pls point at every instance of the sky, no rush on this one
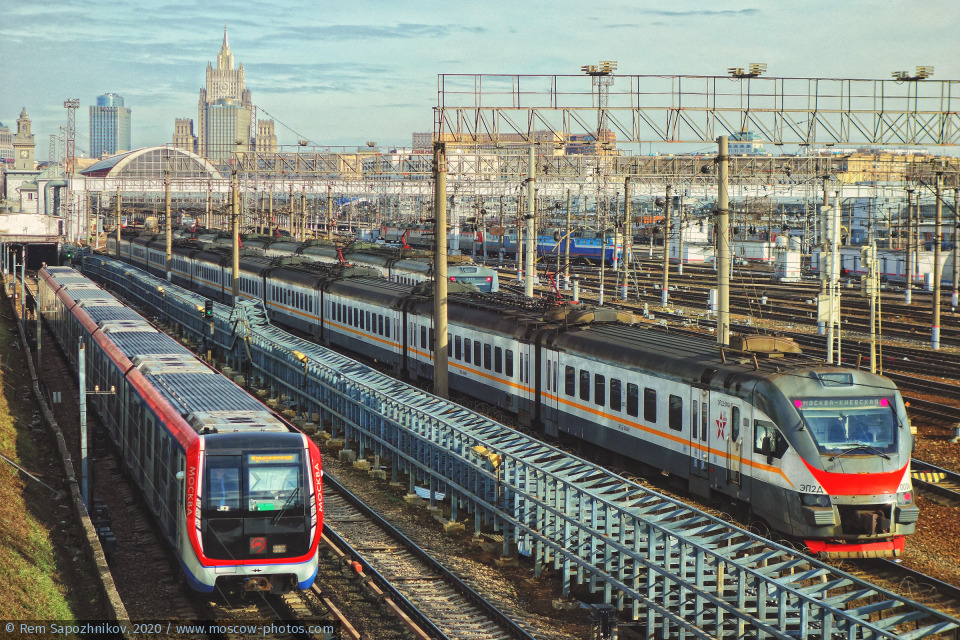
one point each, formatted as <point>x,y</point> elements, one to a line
<point>365,70</point>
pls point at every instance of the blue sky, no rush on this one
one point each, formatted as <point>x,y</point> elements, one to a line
<point>344,73</point>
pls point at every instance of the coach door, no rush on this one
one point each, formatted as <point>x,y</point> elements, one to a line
<point>734,444</point>
<point>699,449</point>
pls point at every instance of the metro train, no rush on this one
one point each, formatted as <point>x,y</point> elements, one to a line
<point>236,491</point>
<point>413,267</point>
<point>818,452</point>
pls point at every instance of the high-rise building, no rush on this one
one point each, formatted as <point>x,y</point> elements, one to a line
<point>109,126</point>
<point>183,137</point>
<point>6,143</point>
<point>225,114</point>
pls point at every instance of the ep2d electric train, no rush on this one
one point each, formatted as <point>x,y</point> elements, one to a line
<point>235,490</point>
<point>818,452</point>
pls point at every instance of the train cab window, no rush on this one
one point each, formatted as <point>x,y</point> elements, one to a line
<point>570,381</point>
<point>273,482</point>
<point>615,397</point>
<point>649,404</point>
<point>633,400</point>
<point>223,485</point>
<point>599,390</point>
<point>775,445</point>
<point>476,353</point>
<point>509,363</point>
<point>584,384</point>
<point>498,359</point>
<point>487,357</point>
<point>675,413</point>
<point>457,348</point>
<point>467,351</point>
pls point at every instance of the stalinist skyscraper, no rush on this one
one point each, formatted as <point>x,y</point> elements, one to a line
<point>225,114</point>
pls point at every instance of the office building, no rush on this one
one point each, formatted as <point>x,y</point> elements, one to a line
<point>109,126</point>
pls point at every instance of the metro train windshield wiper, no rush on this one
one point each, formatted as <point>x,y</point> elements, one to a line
<point>859,447</point>
<point>293,494</point>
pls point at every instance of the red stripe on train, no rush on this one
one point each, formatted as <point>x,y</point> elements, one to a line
<point>858,484</point>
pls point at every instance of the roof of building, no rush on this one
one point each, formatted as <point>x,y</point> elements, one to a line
<point>153,162</point>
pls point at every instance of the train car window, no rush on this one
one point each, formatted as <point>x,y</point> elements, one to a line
<point>633,400</point>
<point>522,360</point>
<point>467,351</point>
<point>735,423</point>
<point>477,345</point>
<point>556,375</point>
<point>599,390</point>
<point>386,326</point>
<point>487,357</point>
<point>369,326</point>
<point>509,363</point>
<point>649,404</point>
<point>548,375</point>
<point>615,397</point>
<point>584,384</point>
<point>449,346</point>
<point>694,419</point>
<point>703,421</point>
<point>433,339</point>
<point>498,359</point>
<point>675,413</point>
<point>423,337</point>
<point>458,348</point>
<point>380,323</point>
<point>570,381</point>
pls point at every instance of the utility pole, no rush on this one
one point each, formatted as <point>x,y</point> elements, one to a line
<point>329,212</point>
<point>530,256</point>
<point>680,213</point>
<point>235,220</point>
<point>566,248</point>
<point>937,271</point>
<point>833,287</point>
<point>440,372</point>
<point>117,217</point>
<point>723,244</point>
<point>167,226</point>
<point>908,267</point>
<point>821,323</point>
<point>627,236</point>
<point>665,286</point>
<point>956,248</point>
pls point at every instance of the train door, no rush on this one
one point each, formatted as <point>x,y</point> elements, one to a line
<point>735,445</point>
<point>699,449</point>
<point>527,378</point>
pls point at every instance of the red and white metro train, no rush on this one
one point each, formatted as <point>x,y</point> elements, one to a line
<point>818,452</point>
<point>236,491</point>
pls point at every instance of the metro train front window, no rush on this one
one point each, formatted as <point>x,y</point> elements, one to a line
<point>273,481</point>
<point>857,425</point>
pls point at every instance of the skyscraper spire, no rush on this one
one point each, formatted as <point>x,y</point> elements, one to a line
<point>225,57</point>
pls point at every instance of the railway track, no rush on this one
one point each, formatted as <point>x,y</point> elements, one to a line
<point>928,591</point>
<point>941,484</point>
<point>431,594</point>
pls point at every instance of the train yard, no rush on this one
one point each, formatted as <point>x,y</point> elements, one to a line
<point>854,589</point>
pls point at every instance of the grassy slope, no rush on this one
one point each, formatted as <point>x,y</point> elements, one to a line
<point>30,580</point>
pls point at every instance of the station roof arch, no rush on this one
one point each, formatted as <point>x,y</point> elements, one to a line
<point>154,162</point>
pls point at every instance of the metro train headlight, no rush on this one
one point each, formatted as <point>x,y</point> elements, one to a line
<point>814,500</point>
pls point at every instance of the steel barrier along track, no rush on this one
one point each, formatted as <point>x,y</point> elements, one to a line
<point>678,571</point>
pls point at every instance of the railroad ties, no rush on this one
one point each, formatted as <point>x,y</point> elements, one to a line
<point>669,568</point>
